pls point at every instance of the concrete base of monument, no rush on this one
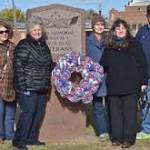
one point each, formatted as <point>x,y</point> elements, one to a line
<point>63,119</point>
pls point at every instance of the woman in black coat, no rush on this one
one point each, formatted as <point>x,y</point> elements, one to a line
<point>124,61</point>
<point>32,68</point>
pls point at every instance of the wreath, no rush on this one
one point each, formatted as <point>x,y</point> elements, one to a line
<point>91,74</point>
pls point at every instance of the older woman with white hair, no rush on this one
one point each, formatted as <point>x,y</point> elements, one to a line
<point>32,68</point>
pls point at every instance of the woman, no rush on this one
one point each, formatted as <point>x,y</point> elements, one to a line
<point>32,68</point>
<point>7,94</point>
<point>95,46</point>
<point>126,68</point>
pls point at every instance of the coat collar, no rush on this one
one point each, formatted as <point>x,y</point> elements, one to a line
<point>93,39</point>
<point>41,41</point>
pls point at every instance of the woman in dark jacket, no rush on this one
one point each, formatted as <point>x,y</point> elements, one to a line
<point>126,68</point>
<point>32,68</point>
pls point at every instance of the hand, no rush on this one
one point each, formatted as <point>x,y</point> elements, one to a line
<point>143,88</point>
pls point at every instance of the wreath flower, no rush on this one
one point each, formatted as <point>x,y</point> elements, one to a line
<point>91,73</point>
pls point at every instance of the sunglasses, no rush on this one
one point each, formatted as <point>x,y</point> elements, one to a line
<point>6,31</point>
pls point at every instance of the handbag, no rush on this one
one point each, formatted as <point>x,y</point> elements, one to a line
<point>144,104</point>
<point>143,100</point>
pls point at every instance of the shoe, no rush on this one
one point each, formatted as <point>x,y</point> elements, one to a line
<point>8,141</point>
<point>19,146</point>
<point>1,141</point>
<point>142,135</point>
<point>126,145</point>
<point>35,143</point>
<point>116,143</point>
<point>104,136</point>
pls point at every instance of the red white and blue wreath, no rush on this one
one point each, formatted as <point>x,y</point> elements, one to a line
<point>91,73</point>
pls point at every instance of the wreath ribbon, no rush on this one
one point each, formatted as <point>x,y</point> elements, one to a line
<point>91,73</point>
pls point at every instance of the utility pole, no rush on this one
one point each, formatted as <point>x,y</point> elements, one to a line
<point>100,7</point>
<point>14,13</point>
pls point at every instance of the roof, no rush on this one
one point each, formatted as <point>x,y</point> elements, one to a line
<point>139,2</point>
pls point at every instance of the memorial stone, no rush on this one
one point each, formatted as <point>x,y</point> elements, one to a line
<point>65,32</point>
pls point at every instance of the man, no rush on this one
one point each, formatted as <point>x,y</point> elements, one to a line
<point>143,36</point>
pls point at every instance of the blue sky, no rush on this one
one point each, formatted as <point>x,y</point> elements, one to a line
<point>106,5</point>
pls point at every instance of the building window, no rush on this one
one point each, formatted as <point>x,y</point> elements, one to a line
<point>129,25</point>
<point>134,27</point>
<point>139,26</point>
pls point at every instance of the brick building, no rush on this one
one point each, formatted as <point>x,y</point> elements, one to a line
<point>134,14</point>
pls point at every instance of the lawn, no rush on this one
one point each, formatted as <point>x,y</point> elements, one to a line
<point>88,142</point>
<point>76,145</point>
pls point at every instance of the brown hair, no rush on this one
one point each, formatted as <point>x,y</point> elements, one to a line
<point>96,18</point>
<point>148,10</point>
<point>111,37</point>
<point>8,26</point>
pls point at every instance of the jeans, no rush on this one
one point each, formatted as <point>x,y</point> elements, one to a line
<point>32,105</point>
<point>7,119</point>
<point>146,121</point>
<point>100,116</point>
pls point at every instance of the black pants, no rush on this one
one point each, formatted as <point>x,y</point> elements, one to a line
<point>123,117</point>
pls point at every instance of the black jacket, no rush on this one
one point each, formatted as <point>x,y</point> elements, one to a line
<point>32,65</point>
<point>126,69</point>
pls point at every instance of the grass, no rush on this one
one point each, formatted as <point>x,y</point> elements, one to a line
<point>140,145</point>
<point>89,142</point>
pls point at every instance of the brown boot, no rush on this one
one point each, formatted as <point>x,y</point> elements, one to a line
<point>126,145</point>
<point>116,143</point>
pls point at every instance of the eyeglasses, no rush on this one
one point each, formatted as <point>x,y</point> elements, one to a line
<point>6,31</point>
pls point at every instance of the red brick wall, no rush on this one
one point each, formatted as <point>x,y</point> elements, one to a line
<point>134,15</point>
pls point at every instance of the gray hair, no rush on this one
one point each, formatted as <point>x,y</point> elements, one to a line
<point>35,20</point>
